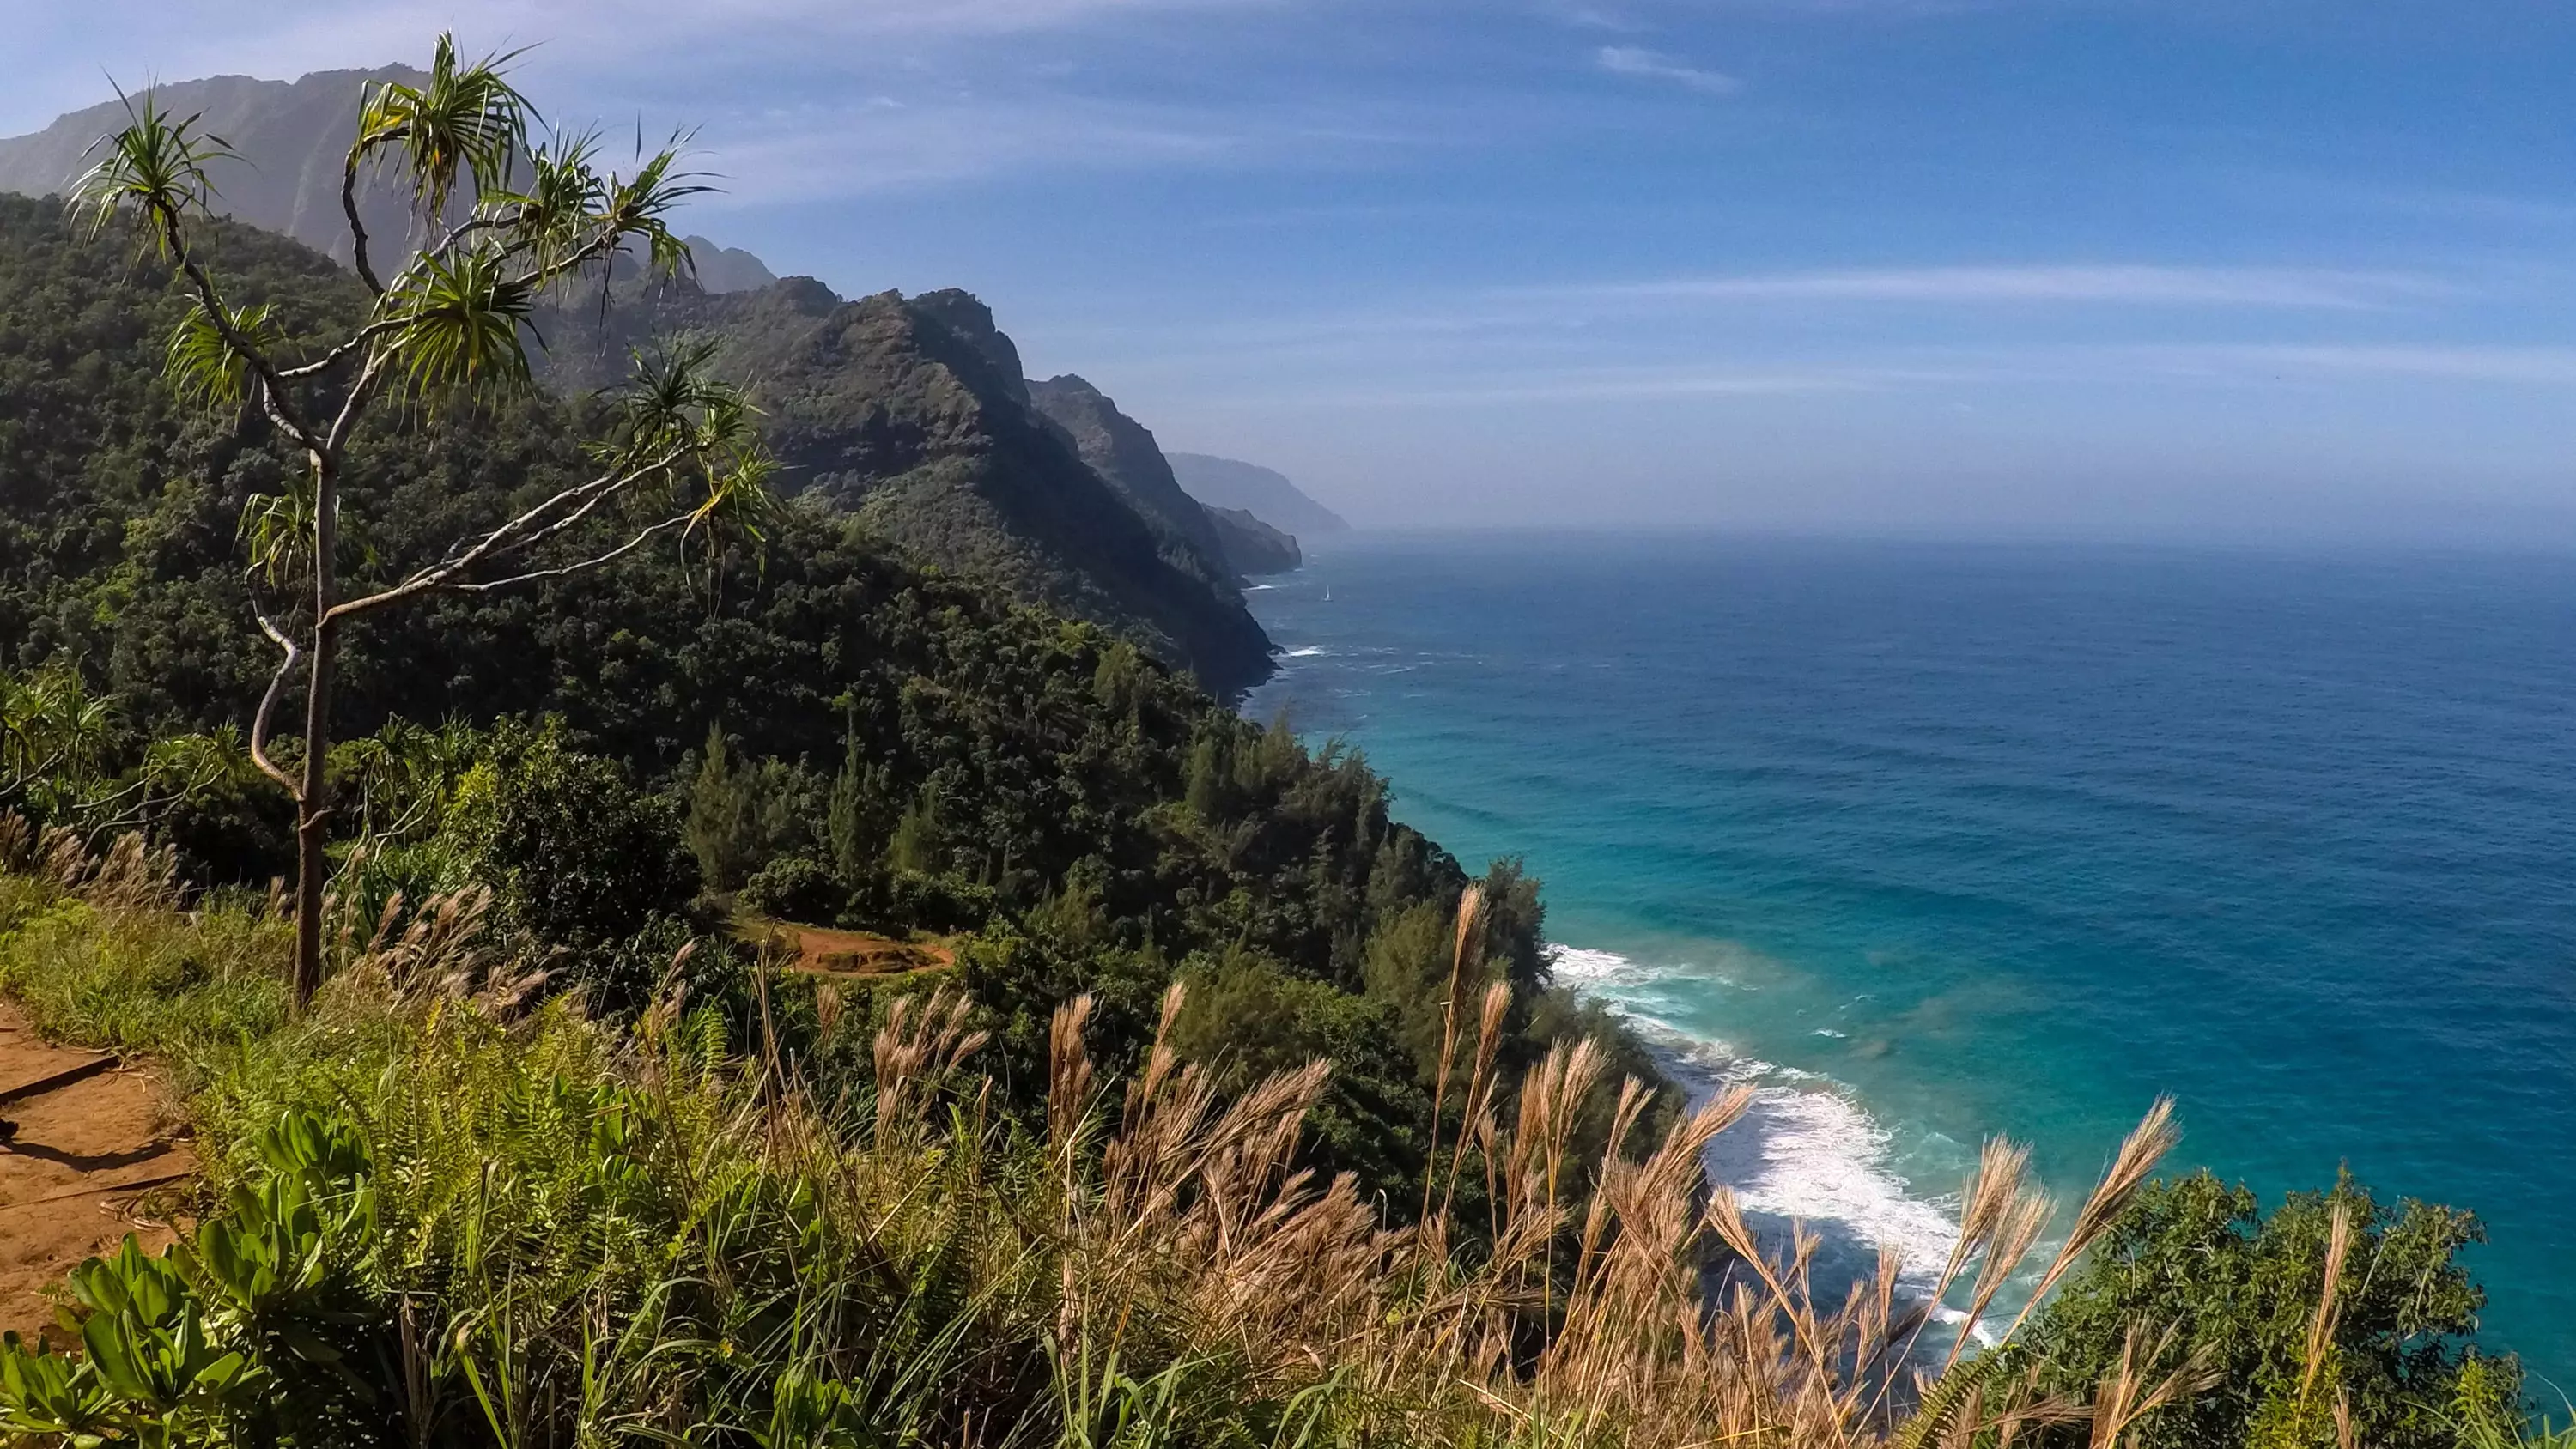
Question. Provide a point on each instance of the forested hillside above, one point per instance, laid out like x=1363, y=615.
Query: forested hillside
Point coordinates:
x=857, y=740
x=914, y=410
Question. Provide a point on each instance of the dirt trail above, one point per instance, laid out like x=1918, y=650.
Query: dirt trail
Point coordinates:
x=91, y=1137
x=851, y=953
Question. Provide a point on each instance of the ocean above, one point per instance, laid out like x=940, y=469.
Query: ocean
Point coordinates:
x=1929, y=842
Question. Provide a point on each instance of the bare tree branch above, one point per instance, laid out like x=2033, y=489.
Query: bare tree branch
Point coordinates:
x=268, y=704
x=526, y=530
x=332, y=358
x=357, y=228
x=568, y=570
x=354, y=406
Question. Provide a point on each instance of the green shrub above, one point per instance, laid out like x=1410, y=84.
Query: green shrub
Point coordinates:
x=578, y=855
x=2242, y=1287
x=796, y=888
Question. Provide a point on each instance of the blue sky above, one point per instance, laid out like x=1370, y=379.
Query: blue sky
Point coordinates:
x=2100, y=268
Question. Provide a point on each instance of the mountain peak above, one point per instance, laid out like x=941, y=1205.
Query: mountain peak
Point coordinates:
x=965, y=315
x=291, y=139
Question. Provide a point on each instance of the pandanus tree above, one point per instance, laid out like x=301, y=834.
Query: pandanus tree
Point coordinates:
x=503, y=221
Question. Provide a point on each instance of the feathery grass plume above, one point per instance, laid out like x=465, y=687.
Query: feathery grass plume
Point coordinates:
x=2321, y=1326
x=828, y=1010
x=1471, y=904
x=2146, y=1145
x=2024, y=1221
x=1069, y=1074
x=440, y=951
x=134, y=876
x=1159, y=1061
x=2128, y=1397
x=1475, y=1121
x=919, y=1053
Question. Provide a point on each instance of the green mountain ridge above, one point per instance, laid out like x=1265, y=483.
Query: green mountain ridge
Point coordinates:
x=913, y=414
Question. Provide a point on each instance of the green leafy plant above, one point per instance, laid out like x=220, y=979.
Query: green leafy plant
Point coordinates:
x=450, y=324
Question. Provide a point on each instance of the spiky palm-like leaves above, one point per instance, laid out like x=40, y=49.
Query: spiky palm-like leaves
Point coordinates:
x=458, y=323
x=154, y=167
x=205, y=366
x=468, y=121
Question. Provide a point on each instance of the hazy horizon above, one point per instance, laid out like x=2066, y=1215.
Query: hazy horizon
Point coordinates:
x=2150, y=270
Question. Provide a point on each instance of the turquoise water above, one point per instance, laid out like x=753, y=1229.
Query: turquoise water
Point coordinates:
x=1928, y=842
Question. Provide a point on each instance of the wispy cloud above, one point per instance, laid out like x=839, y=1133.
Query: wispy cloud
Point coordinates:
x=1643, y=64
x=836, y=152
x=2532, y=366
x=2110, y=285
x=1606, y=385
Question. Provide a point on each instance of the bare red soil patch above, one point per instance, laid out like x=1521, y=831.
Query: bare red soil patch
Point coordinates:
x=851, y=953
x=92, y=1136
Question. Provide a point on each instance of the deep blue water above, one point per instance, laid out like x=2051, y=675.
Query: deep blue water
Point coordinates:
x=1931, y=842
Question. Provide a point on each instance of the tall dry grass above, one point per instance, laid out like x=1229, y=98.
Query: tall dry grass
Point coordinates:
x=592, y=1231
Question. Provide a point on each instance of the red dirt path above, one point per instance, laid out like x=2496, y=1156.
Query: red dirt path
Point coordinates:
x=85, y=1150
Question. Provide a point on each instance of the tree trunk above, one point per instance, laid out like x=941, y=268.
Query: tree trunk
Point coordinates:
x=313, y=811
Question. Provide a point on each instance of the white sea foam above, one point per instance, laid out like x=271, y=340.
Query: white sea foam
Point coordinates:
x=1577, y=966
x=1805, y=1151
x=1309, y=652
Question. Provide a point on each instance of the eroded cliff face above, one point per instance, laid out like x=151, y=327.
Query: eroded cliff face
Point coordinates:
x=1123, y=451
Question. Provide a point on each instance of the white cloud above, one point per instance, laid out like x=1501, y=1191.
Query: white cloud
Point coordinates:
x=1644, y=64
x=2118, y=284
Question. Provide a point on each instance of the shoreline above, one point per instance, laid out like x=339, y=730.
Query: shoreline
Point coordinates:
x=1808, y=1153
